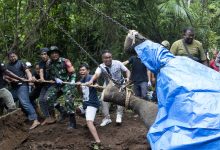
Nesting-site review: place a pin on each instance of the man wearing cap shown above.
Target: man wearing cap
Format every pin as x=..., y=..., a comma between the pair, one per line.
x=59, y=70
x=41, y=88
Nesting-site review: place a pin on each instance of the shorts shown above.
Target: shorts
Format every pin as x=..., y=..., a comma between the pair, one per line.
x=89, y=112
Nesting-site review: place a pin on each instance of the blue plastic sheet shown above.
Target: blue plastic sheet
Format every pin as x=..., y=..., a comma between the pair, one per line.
x=188, y=100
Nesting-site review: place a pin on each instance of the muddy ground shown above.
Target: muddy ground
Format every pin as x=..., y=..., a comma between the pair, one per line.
x=129, y=136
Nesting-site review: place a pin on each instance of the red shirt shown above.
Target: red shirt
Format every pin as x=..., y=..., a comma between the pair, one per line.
x=212, y=65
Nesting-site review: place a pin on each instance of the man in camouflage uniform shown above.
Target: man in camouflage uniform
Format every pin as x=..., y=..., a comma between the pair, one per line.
x=60, y=70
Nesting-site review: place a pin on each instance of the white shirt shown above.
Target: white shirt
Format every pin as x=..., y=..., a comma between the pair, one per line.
x=115, y=70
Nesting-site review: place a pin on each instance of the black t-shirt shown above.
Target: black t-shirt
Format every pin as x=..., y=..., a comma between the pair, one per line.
x=43, y=65
x=37, y=76
x=18, y=68
x=2, y=70
x=138, y=71
x=90, y=97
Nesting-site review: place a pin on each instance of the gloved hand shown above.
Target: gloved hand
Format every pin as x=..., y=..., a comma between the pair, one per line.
x=149, y=84
x=72, y=82
x=58, y=81
x=132, y=39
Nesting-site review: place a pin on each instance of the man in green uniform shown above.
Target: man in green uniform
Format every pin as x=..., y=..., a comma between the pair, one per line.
x=190, y=47
x=60, y=70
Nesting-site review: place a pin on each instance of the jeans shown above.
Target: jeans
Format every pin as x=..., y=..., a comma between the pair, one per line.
x=43, y=101
x=140, y=89
x=21, y=92
x=35, y=93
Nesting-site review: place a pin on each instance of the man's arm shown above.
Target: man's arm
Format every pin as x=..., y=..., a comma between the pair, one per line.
x=125, y=62
x=42, y=74
x=128, y=74
x=203, y=57
x=129, y=61
x=69, y=66
x=28, y=74
x=8, y=75
x=12, y=75
x=149, y=75
x=125, y=69
x=95, y=76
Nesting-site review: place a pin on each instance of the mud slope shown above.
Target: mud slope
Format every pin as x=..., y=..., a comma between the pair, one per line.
x=13, y=130
x=129, y=136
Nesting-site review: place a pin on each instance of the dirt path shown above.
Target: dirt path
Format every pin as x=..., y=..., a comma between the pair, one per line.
x=129, y=136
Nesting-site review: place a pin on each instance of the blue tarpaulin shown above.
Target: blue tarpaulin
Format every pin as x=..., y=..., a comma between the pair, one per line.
x=188, y=101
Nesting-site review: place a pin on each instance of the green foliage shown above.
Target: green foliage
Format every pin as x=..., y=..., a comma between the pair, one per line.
x=25, y=27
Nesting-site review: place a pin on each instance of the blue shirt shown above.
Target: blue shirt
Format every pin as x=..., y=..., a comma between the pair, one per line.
x=90, y=97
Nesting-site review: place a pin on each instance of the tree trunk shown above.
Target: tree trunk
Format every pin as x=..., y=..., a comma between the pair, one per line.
x=145, y=109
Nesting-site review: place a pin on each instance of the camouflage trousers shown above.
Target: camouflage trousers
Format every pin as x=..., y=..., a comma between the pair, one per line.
x=55, y=91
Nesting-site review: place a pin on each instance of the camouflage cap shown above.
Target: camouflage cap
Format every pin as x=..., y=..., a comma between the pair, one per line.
x=53, y=49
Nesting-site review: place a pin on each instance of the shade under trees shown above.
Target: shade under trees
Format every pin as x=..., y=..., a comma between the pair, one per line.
x=25, y=25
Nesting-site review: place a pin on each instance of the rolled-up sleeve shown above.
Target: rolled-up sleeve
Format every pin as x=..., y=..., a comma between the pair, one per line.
x=98, y=71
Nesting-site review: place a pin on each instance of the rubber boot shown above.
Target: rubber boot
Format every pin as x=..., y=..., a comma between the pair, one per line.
x=72, y=121
x=63, y=113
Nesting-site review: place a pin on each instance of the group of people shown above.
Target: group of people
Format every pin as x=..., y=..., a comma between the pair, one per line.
x=51, y=69
x=55, y=76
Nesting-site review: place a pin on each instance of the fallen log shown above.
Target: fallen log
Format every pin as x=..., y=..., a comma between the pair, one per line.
x=12, y=130
x=145, y=109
